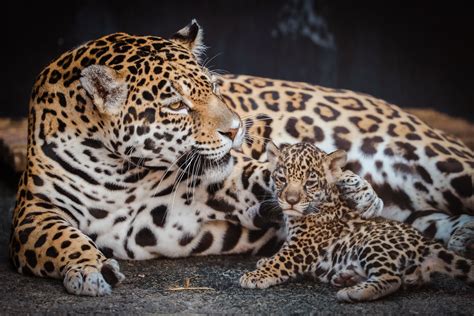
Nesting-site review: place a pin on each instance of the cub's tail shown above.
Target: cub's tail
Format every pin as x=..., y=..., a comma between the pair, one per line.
x=441, y=260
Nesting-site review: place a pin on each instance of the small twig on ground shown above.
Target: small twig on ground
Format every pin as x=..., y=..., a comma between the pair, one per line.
x=187, y=287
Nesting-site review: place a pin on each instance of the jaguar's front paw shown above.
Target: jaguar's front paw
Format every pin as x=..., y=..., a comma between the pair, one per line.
x=349, y=182
x=254, y=279
x=90, y=281
x=360, y=194
x=375, y=208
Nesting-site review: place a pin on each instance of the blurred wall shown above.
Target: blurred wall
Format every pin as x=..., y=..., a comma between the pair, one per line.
x=413, y=53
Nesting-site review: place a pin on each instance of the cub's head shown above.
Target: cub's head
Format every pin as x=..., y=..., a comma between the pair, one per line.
x=303, y=175
x=158, y=105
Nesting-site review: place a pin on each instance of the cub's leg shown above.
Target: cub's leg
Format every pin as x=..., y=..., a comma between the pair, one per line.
x=262, y=261
x=347, y=277
x=44, y=243
x=271, y=271
x=372, y=289
x=382, y=279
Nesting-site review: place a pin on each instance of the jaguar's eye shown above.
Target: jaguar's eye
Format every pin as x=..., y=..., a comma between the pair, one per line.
x=214, y=83
x=177, y=106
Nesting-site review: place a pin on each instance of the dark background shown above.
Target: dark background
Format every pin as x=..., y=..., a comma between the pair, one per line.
x=413, y=53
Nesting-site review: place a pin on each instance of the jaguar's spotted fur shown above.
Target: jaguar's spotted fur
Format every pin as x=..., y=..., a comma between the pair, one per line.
x=129, y=156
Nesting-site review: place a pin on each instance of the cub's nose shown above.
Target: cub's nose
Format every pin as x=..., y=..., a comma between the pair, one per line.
x=230, y=133
x=292, y=198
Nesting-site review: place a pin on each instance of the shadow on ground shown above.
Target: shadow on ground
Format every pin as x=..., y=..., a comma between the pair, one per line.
x=148, y=284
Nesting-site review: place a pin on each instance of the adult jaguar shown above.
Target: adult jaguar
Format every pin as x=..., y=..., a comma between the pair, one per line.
x=128, y=151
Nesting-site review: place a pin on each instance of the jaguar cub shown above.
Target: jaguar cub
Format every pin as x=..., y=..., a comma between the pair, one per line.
x=371, y=258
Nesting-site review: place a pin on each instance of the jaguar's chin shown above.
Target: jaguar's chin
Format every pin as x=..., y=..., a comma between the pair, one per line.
x=216, y=164
x=197, y=164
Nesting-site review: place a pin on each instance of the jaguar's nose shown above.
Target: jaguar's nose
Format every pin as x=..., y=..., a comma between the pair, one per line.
x=230, y=133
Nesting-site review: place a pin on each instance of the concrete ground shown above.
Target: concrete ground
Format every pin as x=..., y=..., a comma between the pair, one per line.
x=147, y=289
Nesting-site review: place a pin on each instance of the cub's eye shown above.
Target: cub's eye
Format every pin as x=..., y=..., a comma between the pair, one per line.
x=310, y=183
x=177, y=106
x=279, y=177
x=312, y=180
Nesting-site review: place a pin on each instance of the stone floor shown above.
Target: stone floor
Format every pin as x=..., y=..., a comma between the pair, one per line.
x=147, y=289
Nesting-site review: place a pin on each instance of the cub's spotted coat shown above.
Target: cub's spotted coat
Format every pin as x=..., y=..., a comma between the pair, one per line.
x=327, y=239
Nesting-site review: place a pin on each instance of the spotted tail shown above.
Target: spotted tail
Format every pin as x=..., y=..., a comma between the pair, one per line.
x=449, y=263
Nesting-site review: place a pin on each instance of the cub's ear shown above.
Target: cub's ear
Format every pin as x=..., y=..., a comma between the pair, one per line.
x=272, y=154
x=334, y=162
x=191, y=37
x=106, y=87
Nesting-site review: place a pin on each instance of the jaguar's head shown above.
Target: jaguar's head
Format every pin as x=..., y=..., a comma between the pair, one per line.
x=161, y=106
x=304, y=176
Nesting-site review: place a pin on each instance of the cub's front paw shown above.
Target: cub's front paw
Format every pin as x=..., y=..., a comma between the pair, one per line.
x=88, y=280
x=261, y=262
x=254, y=279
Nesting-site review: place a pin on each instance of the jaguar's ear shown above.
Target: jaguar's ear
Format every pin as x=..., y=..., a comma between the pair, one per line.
x=333, y=163
x=106, y=87
x=272, y=155
x=191, y=37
